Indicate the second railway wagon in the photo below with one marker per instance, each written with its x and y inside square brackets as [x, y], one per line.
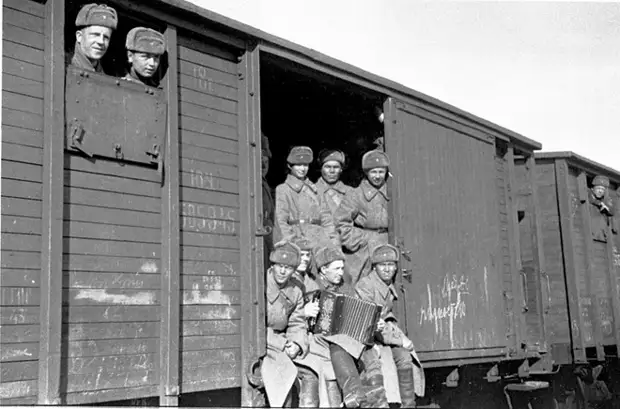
[131, 216]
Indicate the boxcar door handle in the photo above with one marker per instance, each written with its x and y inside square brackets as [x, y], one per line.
[524, 291]
[546, 276]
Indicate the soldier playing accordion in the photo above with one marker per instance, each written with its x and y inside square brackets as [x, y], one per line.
[333, 358]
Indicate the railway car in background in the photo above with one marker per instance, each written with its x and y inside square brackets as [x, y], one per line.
[132, 224]
[570, 249]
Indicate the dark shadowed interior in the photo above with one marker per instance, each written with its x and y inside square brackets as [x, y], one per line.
[303, 108]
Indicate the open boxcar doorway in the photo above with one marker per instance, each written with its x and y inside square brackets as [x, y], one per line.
[302, 107]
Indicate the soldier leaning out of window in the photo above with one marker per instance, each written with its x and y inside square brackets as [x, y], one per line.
[599, 197]
[145, 47]
[94, 23]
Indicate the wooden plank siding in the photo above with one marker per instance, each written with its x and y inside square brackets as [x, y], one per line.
[209, 210]
[22, 159]
[112, 280]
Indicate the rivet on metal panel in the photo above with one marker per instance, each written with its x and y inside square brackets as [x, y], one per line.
[118, 152]
[77, 101]
[240, 75]
[253, 144]
[255, 302]
[251, 93]
[251, 194]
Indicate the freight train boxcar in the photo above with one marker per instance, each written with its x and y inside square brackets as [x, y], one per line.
[581, 269]
[131, 215]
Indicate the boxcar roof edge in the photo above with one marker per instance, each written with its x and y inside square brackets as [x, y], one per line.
[249, 32]
[580, 161]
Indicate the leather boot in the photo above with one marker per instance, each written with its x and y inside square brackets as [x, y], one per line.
[308, 388]
[347, 376]
[333, 394]
[406, 387]
[375, 392]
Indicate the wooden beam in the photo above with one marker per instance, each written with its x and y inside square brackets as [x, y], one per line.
[52, 205]
[538, 247]
[582, 186]
[170, 233]
[568, 251]
[519, 309]
[253, 335]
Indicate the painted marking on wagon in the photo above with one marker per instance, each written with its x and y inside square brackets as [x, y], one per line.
[101, 295]
[208, 218]
[202, 79]
[18, 317]
[210, 297]
[15, 389]
[149, 267]
[203, 180]
[15, 353]
[616, 257]
[211, 283]
[446, 309]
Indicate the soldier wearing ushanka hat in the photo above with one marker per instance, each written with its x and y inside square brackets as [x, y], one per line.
[398, 356]
[300, 210]
[362, 217]
[329, 185]
[145, 47]
[287, 330]
[95, 24]
[603, 209]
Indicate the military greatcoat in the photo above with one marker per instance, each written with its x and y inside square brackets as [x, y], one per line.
[318, 358]
[601, 217]
[362, 221]
[301, 212]
[333, 194]
[372, 288]
[285, 322]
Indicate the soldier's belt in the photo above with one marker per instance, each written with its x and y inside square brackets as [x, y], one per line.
[375, 229]
[294, 222]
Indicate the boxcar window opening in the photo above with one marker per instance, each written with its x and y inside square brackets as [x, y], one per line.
[114, 62]
[322, 113]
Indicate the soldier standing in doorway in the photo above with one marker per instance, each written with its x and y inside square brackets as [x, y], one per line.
[95, 24]
[400, 363]
[145, 47]
[603, 208]
[269, 204]
[329, 185]
[300, 211]
[362, 217]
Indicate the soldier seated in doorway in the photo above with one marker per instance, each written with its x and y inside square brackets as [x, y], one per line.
[333, 360]
[145, 47]
[287, 331]
[396, 348]
[95, 24]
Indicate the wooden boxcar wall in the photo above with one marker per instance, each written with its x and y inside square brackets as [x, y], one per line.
[209, 204]
[22, 159]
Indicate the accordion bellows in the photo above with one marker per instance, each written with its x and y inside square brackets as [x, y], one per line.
[343, 314]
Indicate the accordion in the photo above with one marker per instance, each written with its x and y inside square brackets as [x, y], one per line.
[343, 314]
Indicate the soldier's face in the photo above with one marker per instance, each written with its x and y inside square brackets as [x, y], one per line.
[93, 41]
[333, 272]
[376, 176]
[386, 271]
[145, 64]
[305, 257]
[599, 191]
[331, 171]
[264, 164]
[281, 273]
[299, 171]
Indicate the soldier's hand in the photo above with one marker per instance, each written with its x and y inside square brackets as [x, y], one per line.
[381, 325]
[292, 350]
[604, 206]
[311, 309]
[408, 344]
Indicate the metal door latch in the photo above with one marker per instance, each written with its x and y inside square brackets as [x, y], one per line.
[76, 136]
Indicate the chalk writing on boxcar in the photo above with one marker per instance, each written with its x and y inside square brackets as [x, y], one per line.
[448, 307]
[206, 218]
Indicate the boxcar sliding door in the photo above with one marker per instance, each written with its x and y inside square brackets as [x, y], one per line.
[447, 224]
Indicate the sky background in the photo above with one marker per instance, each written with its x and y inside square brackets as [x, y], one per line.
[547, 70]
